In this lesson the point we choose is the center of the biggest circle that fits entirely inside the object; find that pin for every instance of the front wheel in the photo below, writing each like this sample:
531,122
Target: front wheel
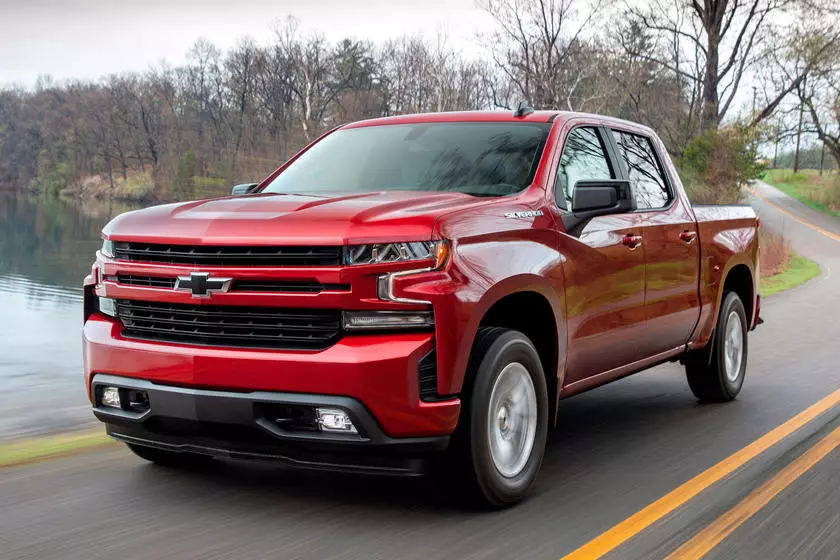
717,374
497,449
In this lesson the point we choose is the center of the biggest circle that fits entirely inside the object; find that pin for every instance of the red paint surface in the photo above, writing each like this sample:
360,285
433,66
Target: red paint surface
617,308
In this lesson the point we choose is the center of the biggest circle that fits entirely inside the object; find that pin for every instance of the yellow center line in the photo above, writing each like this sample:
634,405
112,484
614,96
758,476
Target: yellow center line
711,536
825,232
644,518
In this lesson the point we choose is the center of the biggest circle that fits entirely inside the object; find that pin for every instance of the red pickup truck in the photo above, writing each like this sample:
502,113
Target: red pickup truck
416,293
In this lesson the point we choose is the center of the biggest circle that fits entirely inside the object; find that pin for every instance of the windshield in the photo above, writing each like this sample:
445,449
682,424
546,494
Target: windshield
481,159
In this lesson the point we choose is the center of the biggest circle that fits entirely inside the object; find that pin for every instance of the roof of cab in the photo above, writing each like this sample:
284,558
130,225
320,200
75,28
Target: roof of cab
459,116
497,116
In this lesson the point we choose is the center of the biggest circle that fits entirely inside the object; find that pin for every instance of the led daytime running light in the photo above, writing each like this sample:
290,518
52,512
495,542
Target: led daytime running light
378,253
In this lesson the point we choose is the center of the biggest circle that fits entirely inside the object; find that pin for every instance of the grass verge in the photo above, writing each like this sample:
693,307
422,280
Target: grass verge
18,452
807,187
798,270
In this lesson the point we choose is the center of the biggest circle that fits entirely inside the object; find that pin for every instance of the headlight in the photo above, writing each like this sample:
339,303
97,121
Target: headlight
108,248
378,253
378,320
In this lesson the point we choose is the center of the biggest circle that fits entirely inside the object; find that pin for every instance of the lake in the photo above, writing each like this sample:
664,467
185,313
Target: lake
46,249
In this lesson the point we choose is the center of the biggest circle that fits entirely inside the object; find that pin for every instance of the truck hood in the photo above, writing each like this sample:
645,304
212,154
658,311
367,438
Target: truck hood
295,219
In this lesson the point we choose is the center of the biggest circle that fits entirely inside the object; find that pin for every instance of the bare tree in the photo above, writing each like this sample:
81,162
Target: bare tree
711,46
540,46
818,52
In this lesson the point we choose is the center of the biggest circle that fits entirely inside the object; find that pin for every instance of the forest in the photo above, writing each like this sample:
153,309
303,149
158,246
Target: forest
718,80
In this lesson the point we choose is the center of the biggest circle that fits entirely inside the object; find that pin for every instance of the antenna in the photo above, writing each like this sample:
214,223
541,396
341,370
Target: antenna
523,108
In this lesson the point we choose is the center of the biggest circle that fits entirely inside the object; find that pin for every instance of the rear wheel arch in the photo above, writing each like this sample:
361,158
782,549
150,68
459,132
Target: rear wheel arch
740,280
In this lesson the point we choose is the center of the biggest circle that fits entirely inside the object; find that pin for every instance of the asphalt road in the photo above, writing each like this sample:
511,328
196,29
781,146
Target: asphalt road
618,448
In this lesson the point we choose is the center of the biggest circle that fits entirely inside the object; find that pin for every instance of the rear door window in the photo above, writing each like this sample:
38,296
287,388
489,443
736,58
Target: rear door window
643,171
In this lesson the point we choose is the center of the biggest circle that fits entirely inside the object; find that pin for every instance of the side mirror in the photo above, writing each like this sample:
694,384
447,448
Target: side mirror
244,188
597,198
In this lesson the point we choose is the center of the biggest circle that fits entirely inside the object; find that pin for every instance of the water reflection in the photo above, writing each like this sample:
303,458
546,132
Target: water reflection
46,248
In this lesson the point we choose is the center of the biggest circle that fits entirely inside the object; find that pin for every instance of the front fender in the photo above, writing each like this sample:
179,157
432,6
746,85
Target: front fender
481,273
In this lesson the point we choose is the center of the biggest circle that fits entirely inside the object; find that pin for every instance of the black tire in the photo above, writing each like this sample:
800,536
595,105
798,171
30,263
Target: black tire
706,370
469,469
171,459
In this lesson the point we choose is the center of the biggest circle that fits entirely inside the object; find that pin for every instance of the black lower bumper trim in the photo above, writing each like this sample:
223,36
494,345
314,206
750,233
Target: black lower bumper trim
238,425
296,457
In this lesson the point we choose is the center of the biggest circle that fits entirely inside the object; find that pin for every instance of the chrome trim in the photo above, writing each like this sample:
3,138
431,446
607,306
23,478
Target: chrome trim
385,286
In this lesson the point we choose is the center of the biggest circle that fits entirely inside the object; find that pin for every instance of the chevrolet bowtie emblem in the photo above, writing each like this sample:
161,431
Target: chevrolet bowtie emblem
201,284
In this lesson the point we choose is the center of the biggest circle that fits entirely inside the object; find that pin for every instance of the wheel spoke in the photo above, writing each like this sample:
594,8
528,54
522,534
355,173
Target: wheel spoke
733,350
512,420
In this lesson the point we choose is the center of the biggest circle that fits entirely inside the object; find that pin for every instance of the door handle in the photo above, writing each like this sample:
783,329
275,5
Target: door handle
688,236
631,241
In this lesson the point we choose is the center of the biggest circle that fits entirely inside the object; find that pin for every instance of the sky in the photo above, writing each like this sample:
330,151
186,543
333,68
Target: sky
88,39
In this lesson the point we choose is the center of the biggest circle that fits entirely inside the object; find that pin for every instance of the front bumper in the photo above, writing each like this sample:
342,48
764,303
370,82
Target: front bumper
380,372
244,426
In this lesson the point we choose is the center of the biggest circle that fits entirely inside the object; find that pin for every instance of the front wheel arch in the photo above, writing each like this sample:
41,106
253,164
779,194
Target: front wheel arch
531,313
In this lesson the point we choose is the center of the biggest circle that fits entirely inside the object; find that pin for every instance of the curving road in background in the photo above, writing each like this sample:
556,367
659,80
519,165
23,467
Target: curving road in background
618,449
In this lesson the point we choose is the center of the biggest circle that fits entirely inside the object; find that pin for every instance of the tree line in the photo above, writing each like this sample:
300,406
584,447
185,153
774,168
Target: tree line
678,66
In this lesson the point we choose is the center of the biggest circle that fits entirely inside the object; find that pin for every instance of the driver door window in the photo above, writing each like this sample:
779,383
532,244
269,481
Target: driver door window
584,159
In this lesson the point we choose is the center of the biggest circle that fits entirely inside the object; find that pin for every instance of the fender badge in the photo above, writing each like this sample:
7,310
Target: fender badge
525,214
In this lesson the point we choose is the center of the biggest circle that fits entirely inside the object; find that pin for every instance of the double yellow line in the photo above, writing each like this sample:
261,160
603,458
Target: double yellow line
825,232
712,535
643,519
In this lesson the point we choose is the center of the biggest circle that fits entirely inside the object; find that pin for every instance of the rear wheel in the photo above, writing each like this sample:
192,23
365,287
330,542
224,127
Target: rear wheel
496,451
717,373
170,459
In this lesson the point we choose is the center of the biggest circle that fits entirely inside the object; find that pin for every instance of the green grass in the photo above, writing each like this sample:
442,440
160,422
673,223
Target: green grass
209,182
17,452
805,186
798,271
210,187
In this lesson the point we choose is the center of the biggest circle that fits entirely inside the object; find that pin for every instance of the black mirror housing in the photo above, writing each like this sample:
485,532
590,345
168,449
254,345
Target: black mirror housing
598,198
244,188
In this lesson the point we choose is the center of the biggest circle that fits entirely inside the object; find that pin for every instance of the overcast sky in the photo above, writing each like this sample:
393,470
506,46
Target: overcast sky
91,38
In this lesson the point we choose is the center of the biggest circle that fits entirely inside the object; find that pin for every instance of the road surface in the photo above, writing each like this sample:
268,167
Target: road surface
618,449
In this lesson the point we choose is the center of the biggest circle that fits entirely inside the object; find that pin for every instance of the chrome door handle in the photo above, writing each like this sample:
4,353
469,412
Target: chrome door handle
688,236
631,241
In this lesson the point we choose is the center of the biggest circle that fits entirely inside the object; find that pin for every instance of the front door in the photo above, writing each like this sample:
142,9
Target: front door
604,268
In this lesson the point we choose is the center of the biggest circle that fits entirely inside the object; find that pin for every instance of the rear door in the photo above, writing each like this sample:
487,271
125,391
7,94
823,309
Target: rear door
604,265
669,234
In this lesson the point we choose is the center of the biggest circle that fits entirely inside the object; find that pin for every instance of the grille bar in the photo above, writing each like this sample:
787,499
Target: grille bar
262,327
284,286
281,286
146,281
228,255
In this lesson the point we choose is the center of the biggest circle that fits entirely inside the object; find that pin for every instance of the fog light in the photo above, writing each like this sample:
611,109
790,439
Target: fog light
111,397
335,420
